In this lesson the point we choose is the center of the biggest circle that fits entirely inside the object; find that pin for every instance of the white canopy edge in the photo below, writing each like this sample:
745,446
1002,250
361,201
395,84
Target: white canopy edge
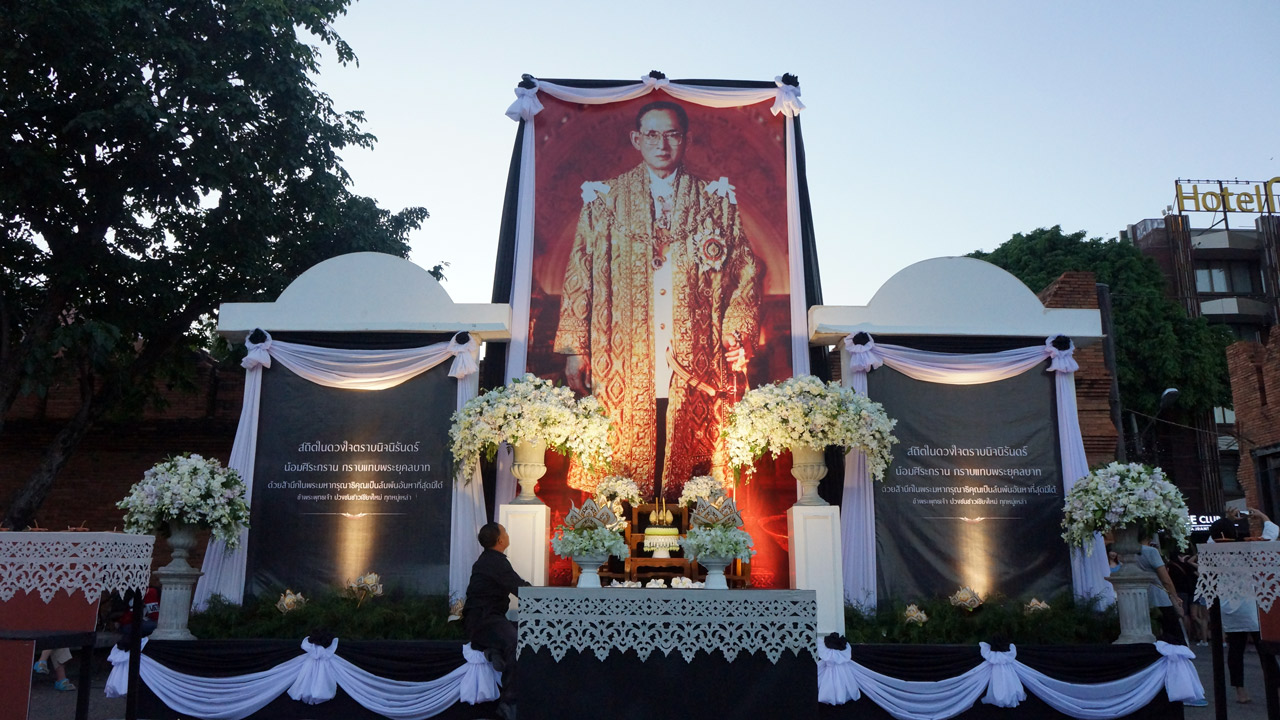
366,292
954,296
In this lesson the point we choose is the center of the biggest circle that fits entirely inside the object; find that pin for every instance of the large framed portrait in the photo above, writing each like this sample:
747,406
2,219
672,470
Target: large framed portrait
661,281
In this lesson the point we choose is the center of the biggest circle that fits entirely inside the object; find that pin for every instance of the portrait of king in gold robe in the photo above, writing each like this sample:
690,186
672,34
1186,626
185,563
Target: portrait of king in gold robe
660,309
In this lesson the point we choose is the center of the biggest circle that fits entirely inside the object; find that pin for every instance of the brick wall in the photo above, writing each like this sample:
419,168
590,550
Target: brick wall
1093,380
1255,391
114,455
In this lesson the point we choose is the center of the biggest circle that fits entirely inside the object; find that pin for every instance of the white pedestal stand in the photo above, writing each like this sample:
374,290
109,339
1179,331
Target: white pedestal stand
816,562
528,527
177,584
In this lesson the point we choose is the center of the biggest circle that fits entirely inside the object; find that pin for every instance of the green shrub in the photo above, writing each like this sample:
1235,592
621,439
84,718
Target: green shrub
1066,622
392,617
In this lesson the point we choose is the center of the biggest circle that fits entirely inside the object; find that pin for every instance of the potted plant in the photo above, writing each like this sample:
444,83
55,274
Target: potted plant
1132,502
177,497
589,537
714,540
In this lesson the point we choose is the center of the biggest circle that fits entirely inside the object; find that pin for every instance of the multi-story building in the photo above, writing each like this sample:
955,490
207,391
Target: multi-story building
1227,273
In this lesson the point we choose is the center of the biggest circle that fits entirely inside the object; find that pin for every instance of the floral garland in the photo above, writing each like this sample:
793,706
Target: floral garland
1120,495
530,408
591,542
701,487
192,489
804,411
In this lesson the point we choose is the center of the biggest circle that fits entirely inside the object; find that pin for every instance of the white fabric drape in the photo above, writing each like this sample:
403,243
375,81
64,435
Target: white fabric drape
1088,573
786,101
311,678
1005,682
224,569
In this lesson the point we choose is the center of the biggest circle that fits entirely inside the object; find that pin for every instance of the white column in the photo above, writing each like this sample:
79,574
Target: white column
815,561
528,526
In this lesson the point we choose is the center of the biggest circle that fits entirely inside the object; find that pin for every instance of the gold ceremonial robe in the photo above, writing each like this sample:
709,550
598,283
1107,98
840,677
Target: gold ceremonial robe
606,313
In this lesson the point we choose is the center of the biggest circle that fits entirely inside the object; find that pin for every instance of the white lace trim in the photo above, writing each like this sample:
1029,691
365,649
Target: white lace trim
688,621
1235,572
96,563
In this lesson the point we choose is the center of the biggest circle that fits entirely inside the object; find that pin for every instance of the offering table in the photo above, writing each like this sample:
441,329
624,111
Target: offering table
639,653
50,586
1235,572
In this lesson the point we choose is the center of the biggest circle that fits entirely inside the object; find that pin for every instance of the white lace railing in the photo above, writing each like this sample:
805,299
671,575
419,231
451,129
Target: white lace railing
52,562
687,621
1239,571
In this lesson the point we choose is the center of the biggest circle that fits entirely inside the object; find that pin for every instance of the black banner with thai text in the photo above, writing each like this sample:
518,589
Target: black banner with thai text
974,494
348,482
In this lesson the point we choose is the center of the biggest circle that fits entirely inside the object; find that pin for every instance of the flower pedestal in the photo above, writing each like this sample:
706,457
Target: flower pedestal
816,561
1131,583
528,526
589,577
715,572
529,465
177,582
809,466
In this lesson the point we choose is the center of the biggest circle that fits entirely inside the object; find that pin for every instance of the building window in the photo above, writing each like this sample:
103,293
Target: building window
1227,470
1227,277
1267,466
1224,416
1247,332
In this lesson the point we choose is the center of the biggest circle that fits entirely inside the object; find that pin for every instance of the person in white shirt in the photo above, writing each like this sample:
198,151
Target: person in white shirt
1240,619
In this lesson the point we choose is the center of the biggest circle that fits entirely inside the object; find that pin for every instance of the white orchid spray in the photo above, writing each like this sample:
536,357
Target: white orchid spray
1124,495
804,411
531,408
192,489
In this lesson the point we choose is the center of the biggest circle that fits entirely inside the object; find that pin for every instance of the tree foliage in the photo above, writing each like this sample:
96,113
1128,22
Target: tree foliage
157,159
1157,344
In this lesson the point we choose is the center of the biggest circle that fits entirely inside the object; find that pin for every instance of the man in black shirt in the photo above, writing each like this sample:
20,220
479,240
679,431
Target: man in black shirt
484,616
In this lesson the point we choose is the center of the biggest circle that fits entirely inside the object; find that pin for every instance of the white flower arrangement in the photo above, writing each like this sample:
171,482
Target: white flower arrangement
289,601
718,542
591,542
966,598
914,615
701,487
364,587
1036,605
715,532
192,489
1121,495
530,408
616,488
804,411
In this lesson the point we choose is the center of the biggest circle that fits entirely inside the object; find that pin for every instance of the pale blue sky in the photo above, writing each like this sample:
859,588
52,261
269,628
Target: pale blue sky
932,128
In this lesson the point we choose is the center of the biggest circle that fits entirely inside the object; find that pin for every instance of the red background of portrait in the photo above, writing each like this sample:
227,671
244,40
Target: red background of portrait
578,143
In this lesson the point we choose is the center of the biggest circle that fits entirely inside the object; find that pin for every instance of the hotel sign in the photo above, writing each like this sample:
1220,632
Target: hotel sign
1257,197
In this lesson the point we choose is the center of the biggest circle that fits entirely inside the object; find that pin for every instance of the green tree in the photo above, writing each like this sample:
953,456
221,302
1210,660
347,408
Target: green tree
157,159
1157,344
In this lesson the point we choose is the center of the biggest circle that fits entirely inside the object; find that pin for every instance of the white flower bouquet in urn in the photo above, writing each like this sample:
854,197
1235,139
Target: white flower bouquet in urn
531,409
188,489
806,412
1124,496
